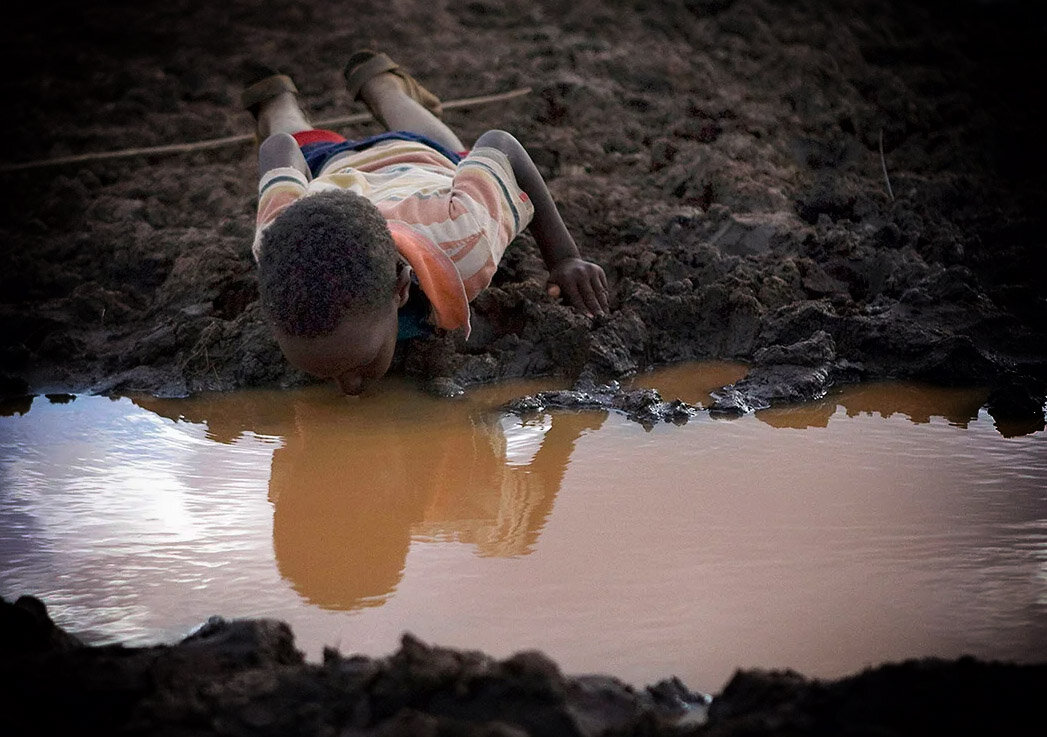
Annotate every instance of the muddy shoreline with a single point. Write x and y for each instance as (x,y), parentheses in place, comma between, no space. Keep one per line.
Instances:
(243,677)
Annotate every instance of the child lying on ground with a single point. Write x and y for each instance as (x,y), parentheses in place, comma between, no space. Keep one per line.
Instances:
(362,243)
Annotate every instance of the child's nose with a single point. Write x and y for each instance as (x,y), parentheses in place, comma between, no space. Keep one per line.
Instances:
(351,384)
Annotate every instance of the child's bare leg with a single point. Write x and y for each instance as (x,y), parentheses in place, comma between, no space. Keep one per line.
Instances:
(385,95)
(281,114)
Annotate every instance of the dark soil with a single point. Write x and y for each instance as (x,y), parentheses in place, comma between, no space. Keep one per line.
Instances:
(722,160)
(245,677)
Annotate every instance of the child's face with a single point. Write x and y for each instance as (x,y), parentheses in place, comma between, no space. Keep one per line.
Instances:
(358,352)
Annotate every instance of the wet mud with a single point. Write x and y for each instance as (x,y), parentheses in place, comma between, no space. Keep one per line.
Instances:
(245,677)
(832,191)
(644,406)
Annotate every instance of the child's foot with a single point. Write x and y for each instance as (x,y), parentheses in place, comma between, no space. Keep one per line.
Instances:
(262,84)
(367,65)
(272,98)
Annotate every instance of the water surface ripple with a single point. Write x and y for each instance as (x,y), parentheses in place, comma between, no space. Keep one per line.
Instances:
(882,523)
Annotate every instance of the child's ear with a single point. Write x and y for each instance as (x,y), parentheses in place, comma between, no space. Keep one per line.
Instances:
(403,285)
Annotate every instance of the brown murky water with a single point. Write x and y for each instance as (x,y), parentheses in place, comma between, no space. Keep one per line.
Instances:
(884,522)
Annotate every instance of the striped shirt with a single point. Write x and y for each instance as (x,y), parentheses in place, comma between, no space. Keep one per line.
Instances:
(461,216)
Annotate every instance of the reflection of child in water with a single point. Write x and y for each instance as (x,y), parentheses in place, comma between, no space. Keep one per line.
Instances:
(351,485)
(362,243)
(344,513)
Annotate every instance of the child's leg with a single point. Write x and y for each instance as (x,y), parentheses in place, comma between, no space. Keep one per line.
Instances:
(281,114)
(385,95)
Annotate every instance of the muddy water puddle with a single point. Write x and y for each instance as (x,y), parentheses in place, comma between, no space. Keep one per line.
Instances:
(884,522)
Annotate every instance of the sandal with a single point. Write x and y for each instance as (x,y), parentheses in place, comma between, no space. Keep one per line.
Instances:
(367,64)
(263,84)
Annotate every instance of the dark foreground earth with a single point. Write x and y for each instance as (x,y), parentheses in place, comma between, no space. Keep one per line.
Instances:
(829,191)
(245,677)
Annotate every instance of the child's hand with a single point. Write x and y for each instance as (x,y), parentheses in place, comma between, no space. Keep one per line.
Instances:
(583,282)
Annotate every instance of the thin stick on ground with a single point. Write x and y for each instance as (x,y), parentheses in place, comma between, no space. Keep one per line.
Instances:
(179,148)
(883,163)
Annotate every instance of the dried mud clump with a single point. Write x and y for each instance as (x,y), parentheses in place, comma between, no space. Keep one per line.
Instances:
(245,677)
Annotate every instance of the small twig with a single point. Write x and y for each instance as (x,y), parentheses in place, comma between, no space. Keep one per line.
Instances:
(883,163)
(210,365)
(177,148)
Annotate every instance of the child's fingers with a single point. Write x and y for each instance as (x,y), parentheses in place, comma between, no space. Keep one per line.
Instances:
(601,293)
(588,294)
(599,281)
(585,290)
(575,297)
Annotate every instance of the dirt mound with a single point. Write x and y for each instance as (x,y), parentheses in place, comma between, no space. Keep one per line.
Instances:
(750,175)
(245,677)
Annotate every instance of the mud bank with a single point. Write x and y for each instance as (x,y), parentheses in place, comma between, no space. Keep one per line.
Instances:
(246,677)
(856,184)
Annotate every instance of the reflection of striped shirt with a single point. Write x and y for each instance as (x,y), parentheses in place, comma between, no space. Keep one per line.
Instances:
(469,212)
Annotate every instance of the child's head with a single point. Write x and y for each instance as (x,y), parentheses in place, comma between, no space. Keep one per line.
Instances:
(329,279)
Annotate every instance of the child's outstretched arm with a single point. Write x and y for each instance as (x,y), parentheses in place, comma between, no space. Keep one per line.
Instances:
(280,150)
(584,283)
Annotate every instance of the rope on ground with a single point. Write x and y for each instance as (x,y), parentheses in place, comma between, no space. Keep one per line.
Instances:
(178,148)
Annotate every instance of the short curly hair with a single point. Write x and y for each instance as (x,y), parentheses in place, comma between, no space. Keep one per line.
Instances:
(323,256)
